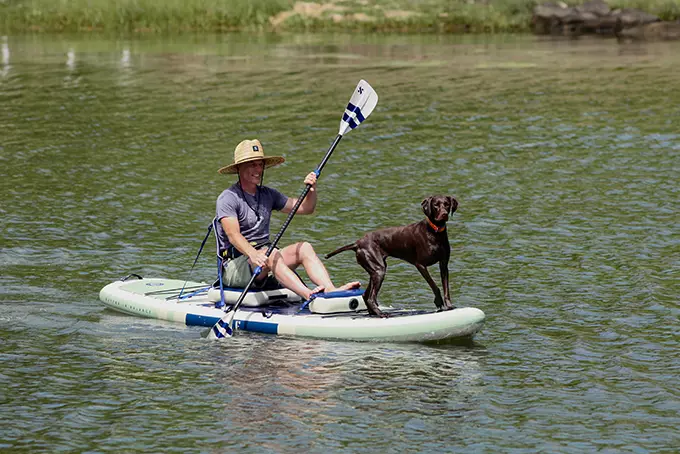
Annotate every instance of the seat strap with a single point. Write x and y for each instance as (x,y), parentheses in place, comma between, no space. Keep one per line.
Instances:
(210,227)
(220,264)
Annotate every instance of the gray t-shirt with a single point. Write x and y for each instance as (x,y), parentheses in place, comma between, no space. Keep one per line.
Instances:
(231,204)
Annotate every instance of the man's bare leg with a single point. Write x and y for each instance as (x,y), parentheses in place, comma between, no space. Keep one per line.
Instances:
(286,277)
(303,254)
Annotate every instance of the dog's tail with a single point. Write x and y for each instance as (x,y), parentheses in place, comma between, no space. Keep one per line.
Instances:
(347,247)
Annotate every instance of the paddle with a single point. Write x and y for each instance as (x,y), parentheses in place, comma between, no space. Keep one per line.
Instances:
(360,106)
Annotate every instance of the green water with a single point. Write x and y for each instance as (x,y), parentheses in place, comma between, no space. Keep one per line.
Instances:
(563,155)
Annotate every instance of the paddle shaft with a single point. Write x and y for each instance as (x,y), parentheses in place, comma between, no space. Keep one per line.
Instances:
(285,225)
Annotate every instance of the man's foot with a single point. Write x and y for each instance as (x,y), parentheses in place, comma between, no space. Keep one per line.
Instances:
(347,286)
(318,289)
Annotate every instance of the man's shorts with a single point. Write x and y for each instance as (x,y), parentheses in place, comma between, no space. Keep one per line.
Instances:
(237,273)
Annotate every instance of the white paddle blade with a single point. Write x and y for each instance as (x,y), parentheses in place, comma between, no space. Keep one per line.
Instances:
(360,106)
(221,329)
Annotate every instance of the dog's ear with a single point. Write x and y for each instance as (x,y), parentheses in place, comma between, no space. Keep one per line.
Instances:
(427,207)
(454,204)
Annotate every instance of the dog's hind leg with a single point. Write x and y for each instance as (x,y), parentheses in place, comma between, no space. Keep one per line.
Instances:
(376,267)
(438,301)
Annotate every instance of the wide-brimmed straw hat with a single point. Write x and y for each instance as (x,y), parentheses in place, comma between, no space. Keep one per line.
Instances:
(250,150)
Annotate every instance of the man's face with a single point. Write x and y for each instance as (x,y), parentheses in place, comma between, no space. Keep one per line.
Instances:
(251,172)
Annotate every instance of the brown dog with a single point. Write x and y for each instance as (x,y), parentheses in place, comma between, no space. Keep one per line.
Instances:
(423,244)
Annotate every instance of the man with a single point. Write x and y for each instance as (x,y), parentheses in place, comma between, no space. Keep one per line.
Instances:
(243,213)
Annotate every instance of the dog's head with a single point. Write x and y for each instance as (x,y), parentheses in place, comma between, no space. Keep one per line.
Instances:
(438,207)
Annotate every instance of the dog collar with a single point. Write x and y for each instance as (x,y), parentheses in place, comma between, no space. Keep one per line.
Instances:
(434,227)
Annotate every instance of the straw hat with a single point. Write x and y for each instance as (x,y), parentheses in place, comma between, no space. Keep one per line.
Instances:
(250,150)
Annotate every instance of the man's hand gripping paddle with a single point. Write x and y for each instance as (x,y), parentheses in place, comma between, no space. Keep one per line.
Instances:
(360,106)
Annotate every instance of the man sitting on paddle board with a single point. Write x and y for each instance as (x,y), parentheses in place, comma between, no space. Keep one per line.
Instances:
(244,211)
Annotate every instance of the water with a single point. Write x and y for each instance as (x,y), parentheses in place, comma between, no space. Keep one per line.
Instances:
(564,157)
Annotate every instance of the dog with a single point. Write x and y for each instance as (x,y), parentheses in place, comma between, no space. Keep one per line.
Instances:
(422,244)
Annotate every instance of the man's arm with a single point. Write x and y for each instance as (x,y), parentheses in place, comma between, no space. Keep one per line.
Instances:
(233,231)
(309,204)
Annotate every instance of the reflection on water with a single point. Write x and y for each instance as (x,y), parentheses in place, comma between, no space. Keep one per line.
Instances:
(125,58)
(315,386)
(71,59)
(562,154)
(5,57)
(427,51)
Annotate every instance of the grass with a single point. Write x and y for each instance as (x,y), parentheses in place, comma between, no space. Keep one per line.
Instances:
(138,15)
(173,16)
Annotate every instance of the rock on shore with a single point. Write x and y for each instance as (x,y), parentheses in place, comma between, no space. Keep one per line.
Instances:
(597,18)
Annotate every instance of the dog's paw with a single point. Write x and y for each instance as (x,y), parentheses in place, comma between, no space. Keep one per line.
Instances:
(380,314)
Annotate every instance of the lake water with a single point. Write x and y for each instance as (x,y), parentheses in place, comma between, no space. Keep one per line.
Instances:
(564,156)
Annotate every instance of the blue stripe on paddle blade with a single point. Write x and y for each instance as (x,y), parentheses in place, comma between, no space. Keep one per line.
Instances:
(353,116)
(349,120)
(357,110)
(222,329)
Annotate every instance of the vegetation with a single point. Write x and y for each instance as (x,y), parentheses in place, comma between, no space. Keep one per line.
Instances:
(172,16)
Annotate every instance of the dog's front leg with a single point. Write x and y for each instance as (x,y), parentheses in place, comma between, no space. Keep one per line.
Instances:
(444,271)
(438,301)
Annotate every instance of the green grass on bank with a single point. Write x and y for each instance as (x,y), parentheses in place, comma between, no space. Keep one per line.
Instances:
(138,15)
(171,16)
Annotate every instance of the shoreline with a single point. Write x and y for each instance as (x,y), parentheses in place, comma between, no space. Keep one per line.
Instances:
(289,16)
